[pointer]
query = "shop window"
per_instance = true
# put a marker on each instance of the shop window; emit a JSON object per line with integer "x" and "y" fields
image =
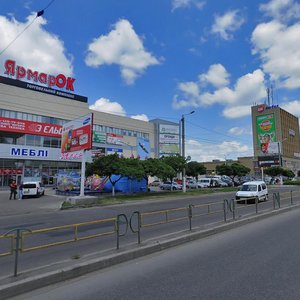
{"x": 47, "y": 141}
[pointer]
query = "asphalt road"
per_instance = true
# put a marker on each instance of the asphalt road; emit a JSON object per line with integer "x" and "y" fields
{"x": 256, "y": 261}
{"x": 43, "y": 216}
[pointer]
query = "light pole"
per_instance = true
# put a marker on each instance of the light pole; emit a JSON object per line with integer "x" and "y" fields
{"x": 183, "y": 149}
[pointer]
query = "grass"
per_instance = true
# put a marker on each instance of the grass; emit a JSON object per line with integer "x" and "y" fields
{"x": 121, "y": 198}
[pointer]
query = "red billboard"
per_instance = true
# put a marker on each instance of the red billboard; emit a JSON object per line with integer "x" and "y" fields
{"x": 77, "y": 134}
{"x": 29, "y": 127}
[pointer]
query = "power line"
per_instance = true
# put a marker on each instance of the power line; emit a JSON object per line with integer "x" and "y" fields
{"x": 38, "y": 14}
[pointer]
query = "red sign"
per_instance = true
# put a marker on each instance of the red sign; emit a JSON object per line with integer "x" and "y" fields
{"x": 60, "y": 81}
{"x": 261, "y": 108}
{"x": 23, "y": 126}
{"x": 77, "y": 134}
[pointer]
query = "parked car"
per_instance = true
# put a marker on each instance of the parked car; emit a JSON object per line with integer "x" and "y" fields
{"x": 168, "y": 185}
{"x": 155, "y": 183}
{"x": 192, "y": 184}
{"x": 252, "y": 190}
{"x": 33, "y": 188}
{"x": 221, "y": 183}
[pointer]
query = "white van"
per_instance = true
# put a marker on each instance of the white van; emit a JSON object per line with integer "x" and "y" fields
{"x": 208, "y": 182}
{"x": 33, "y": 188}
{"x": 252, "y": 190}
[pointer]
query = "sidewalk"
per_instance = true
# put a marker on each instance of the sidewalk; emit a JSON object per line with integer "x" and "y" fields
{"x": 29, "y": 205}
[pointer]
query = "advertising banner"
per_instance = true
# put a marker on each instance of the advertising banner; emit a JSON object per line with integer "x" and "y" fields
{"x": 164, "y": 128}
{"x": 143, "y": 148}
{"x": 266, "y": 132}
{"x": 114, "y": 150}
{"x": 99, "y": 137}
{"x": 97, "y": 152}
{"x": 169, "y": 139}
{"x": 114, "y": 139}
{"x": 77, "y": 134}
{"x": 29, "y": 127}
{"x": 268, "y": 161}
{"x": 169, "y": 148}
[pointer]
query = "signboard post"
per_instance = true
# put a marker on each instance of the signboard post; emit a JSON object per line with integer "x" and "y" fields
{"x": 77, "y": 137}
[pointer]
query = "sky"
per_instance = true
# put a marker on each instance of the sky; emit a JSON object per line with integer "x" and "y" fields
{"x": 165, "y": 58}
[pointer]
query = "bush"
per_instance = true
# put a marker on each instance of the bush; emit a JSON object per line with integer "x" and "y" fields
{"x": 290, "y": 182}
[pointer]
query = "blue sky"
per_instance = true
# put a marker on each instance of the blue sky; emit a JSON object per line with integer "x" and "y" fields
{"x": 164, "y": 58}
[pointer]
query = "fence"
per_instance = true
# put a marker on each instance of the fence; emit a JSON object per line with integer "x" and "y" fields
{"x": 22, "y": 240}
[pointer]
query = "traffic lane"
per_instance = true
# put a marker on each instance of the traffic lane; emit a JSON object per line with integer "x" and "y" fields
{"x": 54, "y": 218}
{"x": 257, "y": 261}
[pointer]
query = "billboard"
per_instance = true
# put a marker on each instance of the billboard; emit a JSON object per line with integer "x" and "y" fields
{"x": 169, "y": 149}
{"x": 143, "y": 148}
{"x": 114, "y": 139}
{"x": 266, "y": 133}
{"x": 164, "y": 128}
{"x": 99, "y": 137}
{"x": 268, "y": 161}
{"x": 29, "y": 127}
{"x": 77, "y": 134}
{"x": 168, "y": 139}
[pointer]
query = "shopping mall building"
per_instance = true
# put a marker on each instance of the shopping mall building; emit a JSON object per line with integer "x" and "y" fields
{"x": 33, "y": 109}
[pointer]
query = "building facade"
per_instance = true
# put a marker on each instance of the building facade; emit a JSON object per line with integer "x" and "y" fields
{"x": 276, "y": 139}
{"x": 31, "y": 121}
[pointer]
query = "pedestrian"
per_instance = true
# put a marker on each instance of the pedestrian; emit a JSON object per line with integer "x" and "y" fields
{"x": 21, "y": 191}
{"x": 13, "y": 190}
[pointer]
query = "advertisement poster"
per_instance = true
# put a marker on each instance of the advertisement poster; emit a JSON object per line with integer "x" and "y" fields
{"x": 29, "y": 127}
{"x": 143, "y": 148}
{"x": 77, "y": 134}
{"x": 99, "y": 137}
{"x": 169, "y": 149}
{"x": 266, "y": 133}
{"x": 114, "y": 139}
{"x": 164, "y": 128}
{"x": 168, "y": 139}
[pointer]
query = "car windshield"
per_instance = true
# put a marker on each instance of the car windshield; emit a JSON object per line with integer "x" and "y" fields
{"x": 249, "y": 187}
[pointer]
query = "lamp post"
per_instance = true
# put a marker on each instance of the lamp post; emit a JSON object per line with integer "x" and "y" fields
{"x": 183, "y": 149}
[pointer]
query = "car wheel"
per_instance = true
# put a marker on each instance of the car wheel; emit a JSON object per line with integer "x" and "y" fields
{"x": 266, "y": 198}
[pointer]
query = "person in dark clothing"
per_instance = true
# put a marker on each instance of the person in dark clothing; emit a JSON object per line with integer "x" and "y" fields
{"x": 21, "y": 191}
{"x": 13, "y": 190}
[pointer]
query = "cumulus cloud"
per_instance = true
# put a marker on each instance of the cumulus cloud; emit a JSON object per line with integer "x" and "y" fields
{"x": 216, "y": 75}
{"x": 227, "y": 24}
{"x": 107, "y": 106}
{"x": 36, "y": 49}
{"x": 123, "y": 47}
{"x": 278, "y": 47}
{"x": 239, "y": 131}
{"x": 237, "y": 100}
{"x": 293, "y": 107}
{"x": 284, "y": 10}
{"x": 203, "y": 152}
{"x": 141, "y": 117}
{"x": 187, "y": 3}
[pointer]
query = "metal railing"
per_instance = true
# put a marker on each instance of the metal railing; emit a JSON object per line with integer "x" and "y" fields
{"x": 21, "y": 240}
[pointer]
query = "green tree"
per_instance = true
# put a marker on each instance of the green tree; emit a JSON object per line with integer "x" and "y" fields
{"x": 274, "y": 171}
{"x": 224, "y": 169}
{"x": 233, "y": 170}
{"x": 194, "y": 168}
{"x": 176, "y": 162}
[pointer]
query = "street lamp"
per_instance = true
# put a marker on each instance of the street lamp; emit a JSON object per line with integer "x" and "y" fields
{"x": 183, "y": 149}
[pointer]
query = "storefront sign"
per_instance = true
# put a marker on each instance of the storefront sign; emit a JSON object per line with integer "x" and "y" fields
{"x": 19, "y": 72}
{"x": 169, "y": 139}
{"x": 29, "y": 127}
{"x": 99, "y": 137}
{"x": 164, "y": 128}
{"x": 77, "y": 134}
{"x": 28, "y": 152}
{"x": 114, "y": 150}
{"x": 268, "y": 161}
{"x": 114, "y": 139}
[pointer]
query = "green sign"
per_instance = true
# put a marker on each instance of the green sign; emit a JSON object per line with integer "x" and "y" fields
{"x": 99, "y": 137}
{"x": 266, "y": 131}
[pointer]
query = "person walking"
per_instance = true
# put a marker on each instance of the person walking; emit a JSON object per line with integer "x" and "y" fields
{"x": 21, "y": 191}
{"x": 13, "y": 190}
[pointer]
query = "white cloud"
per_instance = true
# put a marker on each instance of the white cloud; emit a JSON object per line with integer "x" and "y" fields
{"x": 216, "y": 75}
{"x": 107, "y": 106}
{"x": 227, "y": 24}
{"x": 141, "y": 117}
{"x": 293, "y": 107}
{"x": 121, "y": 46}
{"x": 248, "y": 89}
{"x": 281, "y": 9}
{"x": 187, "y": 3}
{"x": 203, "y": 152}
{"x": 278, "y": 47}
{"x": 35, "y": 48}
{"x": 239, "y": 131}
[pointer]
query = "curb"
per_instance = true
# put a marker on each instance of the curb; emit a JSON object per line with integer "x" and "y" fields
{"x": 38, "y": 281}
